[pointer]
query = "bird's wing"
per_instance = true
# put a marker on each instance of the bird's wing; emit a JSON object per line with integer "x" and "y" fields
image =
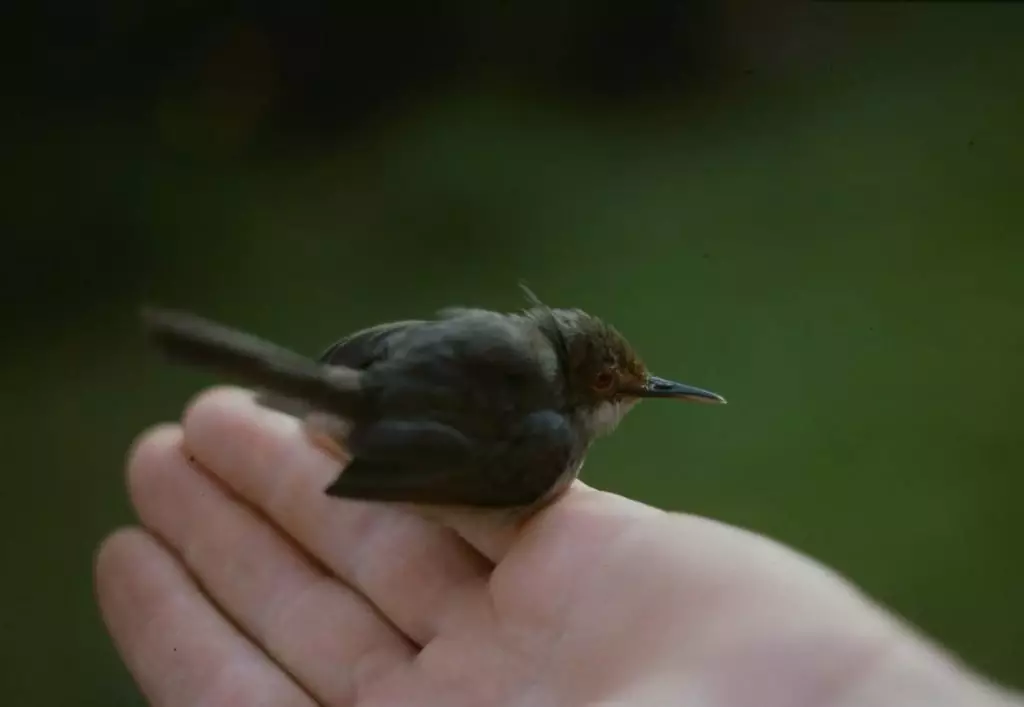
{"x": 459, "y": 312}
{"x": 415, "y": 461}
{"x": 430, "y": 463}
{"x": 366, "y": 346}
{"x": 358, "y": 350}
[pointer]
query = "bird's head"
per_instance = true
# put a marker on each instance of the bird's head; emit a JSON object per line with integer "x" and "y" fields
{"x": 605, "y": 377}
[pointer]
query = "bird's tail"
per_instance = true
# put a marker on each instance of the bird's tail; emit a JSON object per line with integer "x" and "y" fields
{"x": 248, "y": 360}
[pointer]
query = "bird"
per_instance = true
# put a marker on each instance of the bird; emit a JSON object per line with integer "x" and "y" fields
{"x": 473, "y": 407}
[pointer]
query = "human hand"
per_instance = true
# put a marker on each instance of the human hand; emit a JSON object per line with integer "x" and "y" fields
{"x": 247, "y": 585}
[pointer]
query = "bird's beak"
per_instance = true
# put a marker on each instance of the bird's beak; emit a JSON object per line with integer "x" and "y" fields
{"x": 656, "y": 387}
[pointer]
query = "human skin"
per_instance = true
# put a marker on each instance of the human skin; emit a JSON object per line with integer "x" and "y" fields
{"x": 246, "y": 585}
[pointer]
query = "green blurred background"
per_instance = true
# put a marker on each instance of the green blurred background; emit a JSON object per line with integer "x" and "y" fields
{"x": 812, "y": 209}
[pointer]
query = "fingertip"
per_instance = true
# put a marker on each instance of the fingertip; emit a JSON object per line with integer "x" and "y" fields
{"x": 114, "y": 558}
{"x": 228, "y": 417}
{"x": 237, "y": 439}
{"x": 148, "y": 453}
{"x": 112, "y": 547}
{"x": 155, "y": 438}
{"x": 211, "y": 405}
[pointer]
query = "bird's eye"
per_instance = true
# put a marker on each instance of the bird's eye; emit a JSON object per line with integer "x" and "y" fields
{"x": 603, "y": 381}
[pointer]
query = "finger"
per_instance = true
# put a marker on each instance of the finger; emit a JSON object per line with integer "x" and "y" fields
{"x": 179, "y": 649}
{"x": 421, "y": 575}
{"x": 326, "y": 635}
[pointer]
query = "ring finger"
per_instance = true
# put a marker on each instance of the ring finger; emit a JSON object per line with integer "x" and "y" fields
{"x": 325, "y": 634}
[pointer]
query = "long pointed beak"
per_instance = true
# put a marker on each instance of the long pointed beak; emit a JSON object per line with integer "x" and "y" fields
{"x": 656, "y": 387}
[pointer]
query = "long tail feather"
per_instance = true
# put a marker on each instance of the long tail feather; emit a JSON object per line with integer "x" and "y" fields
{"x": 248, "y": 360}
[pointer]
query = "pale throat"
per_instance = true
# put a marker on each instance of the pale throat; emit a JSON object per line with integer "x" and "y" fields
{"x": 604, "y": 418}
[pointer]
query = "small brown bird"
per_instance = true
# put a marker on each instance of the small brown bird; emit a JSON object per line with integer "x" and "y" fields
{"x": 473, "y": 408}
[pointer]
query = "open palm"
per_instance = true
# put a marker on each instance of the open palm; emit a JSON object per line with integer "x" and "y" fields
{"x": 249, "y": 586}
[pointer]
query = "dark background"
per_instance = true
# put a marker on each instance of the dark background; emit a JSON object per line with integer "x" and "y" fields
{"x": 812, "y": 209}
